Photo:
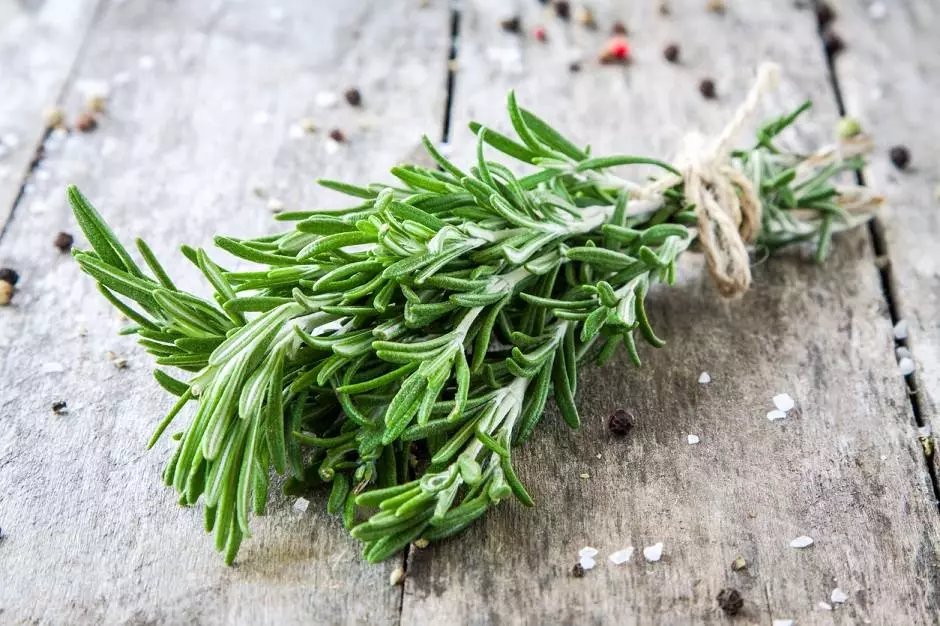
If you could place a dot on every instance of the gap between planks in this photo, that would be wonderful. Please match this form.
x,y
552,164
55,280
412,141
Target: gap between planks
x,y
882,256
37,155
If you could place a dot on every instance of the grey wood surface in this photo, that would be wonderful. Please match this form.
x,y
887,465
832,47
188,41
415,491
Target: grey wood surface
x,y
39,44
203,97
845,469
889,76
90,533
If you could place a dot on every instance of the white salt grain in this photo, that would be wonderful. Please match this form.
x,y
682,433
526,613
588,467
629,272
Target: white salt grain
x,y
654,552
53,368
783,401
801,542
275,205
775,415
902,352
825,606
900,330
397,575
301,504
295,131
331,146
588,551
907,366
838,596
326,99
704,378
877,11
261,118
621,556
146,62
693,439
783,622
587,563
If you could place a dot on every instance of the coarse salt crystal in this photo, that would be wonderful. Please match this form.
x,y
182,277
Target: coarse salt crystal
x,y
783,401
704,378
146,62
260,118
621,556
275,205
295,131
10,140
397,575
53,368
587,563
838,596
877,10
900,330
783,622
825,606
326,99
301,504
588,551
907,366
654,552
693,439
331,146
776,415
802,541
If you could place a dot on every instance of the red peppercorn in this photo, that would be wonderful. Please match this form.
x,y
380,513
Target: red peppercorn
x,y
616,51
337,135
86,123
539,33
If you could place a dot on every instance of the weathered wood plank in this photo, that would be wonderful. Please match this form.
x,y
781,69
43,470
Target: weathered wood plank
x,y
90,533
39,42
845,469
890,78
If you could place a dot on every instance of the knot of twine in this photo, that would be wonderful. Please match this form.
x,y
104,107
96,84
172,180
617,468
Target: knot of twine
x,y
727,206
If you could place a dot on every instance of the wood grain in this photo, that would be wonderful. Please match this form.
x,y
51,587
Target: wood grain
x,y
39,45
845,468
889,75
199,118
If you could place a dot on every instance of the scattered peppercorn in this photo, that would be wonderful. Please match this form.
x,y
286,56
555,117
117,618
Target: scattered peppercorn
x,y
730,601
586,18
512,24
337,135
563,9
707,89
671,52
539,33
577,571
619,29
96,103
824,14
86,123
53,117
848,127
716,6
900,156
59,407
620,422
738,564
9,275
664,8
574,67
833,42
6,292
353,97
616,51
63,241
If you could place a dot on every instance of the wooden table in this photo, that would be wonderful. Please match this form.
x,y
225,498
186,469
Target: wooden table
x,y
202,98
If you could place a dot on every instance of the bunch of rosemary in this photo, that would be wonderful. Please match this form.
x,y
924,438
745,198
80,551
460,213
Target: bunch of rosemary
x,y
432,318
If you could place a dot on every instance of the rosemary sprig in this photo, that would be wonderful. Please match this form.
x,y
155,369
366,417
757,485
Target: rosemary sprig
x,y
433,317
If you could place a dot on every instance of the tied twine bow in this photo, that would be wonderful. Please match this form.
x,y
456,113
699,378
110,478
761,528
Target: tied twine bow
x,y
726,205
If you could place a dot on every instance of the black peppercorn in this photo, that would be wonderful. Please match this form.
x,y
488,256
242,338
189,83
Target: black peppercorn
x,y
900,156
833,42
337,135
577,571
730,601
824,14
563,9
353,97
512,25
574,67
707,89
59,407
63,241
8,274
671,52
620,422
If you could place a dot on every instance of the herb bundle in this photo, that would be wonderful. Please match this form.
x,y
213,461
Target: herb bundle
x,y
398,349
